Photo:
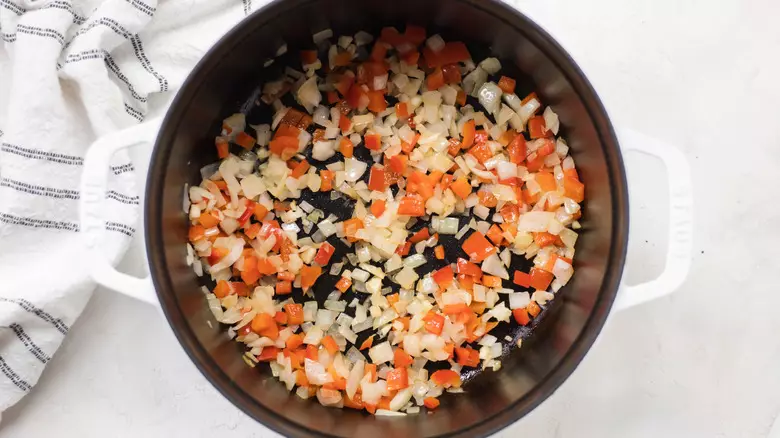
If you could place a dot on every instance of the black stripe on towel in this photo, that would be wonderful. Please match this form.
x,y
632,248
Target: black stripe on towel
x,y
120,228
143,7
116,196
13,377
247,6
34,189
118,170
138,115
39,31
66,6
40,313
31,347
138,48
16,9
38,223
41,155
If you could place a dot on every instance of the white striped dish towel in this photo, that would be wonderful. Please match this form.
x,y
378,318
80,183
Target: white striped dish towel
x,y
70,72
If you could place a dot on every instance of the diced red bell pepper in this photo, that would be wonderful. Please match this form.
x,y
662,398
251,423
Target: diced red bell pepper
x,y
434,323
461,187
517,149
521,279
478,247
537,128
540,279
444,277
222,147
465,267
506,84
398,163
574,189
309,275
421,235
376,179
378,207
468,357
324,254
451,74
373,142
397,379
469,131
294,315
402,359
446,378
435,80
431,402
376,101
411,205
343,284
521,316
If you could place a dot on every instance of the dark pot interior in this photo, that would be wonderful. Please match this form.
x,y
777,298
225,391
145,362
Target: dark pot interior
x,y
223,82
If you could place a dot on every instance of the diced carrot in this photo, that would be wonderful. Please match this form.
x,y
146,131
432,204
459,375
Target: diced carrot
x,y
343,284
446,378
378,207
376,179
439,252
478,247
435,80
327,180
367,343
431,402
283,287
540,279
434,323
506,84
521,316
469,131
222,147
397,379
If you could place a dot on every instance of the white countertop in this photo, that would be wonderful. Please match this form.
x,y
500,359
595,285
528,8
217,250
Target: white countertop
x,y
704,362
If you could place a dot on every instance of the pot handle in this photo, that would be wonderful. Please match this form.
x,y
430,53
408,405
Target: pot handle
x,y
678,255
93,191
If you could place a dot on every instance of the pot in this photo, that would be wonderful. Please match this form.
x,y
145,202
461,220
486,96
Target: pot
x,y
220,85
